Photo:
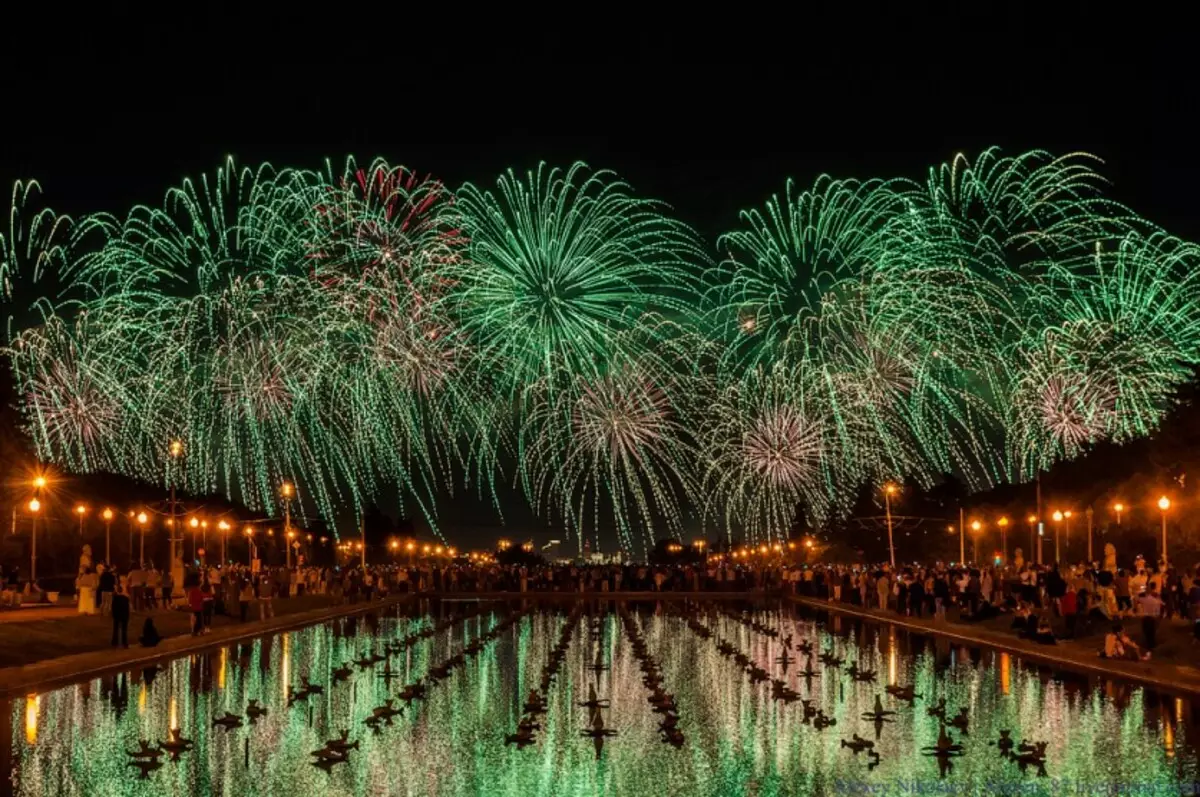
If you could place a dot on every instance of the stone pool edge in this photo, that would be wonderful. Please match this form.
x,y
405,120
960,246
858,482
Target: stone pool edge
x,y
1142,672
48,674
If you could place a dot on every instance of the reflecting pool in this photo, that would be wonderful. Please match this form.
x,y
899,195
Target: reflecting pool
x,y
738,737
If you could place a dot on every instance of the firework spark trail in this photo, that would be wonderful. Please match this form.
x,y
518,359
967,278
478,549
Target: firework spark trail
x,y
362,327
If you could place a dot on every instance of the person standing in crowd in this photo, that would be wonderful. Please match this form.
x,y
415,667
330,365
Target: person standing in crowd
x,y
266,593
883,588
137,585
244,597
168,586
1150,607
108,582
120,618
195,598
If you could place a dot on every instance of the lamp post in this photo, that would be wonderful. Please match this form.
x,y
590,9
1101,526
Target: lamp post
x,y
286,490
34,507
1067,518
142,520
1003,524
1089,514
107,514
249,532
1118,507
889,490
1164,504
224,527
962,537
1033,555
80,510
1058,518
411,547
977,528
195,524
175,449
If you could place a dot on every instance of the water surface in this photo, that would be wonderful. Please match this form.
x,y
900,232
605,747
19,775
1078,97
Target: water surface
x,y
1103,737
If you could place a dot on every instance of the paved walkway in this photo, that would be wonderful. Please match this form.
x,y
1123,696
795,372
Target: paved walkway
x,y
47,652
34,613
1173,667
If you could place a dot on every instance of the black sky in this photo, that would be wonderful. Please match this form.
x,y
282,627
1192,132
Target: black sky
x,y
709,114
707,108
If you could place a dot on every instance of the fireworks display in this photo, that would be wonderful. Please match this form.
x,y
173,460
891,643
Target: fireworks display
x,y
362,330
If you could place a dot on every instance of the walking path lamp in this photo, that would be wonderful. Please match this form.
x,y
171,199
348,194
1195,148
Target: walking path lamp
x,y
34,507
287,490
1003,524
249,532
1164,504
80,510
889,490
142,520
1032,521
977,528
195,524
1058,519
107,514
1067,518
224,527
1118,507
175,449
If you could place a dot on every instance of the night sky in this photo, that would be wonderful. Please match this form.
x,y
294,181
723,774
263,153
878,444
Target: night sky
x,y
710,115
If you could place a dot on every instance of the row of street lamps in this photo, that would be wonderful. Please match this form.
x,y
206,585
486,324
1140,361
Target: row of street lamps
x,y
1061,518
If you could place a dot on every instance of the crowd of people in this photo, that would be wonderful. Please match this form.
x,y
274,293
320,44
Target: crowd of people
x,y
1045,602
1042,603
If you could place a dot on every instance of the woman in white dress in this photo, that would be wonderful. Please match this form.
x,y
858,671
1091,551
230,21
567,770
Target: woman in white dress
x,y
86,585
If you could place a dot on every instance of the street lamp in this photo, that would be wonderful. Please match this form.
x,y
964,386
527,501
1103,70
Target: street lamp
x,y
1067,517
80,510
1003,524
287,490
249,532
195,524
142,519
1057,517
34,507
889,490
1164,504
1118,507
976,527
175,449
1034,553
107,514
224,527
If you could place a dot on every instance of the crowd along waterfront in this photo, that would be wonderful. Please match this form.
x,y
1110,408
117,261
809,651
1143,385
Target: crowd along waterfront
x,y
521,697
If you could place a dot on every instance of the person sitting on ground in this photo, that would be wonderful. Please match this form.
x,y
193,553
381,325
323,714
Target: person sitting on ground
x,y
150,636
1132,650
1113,648
1044,634
1020,616
1029,631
